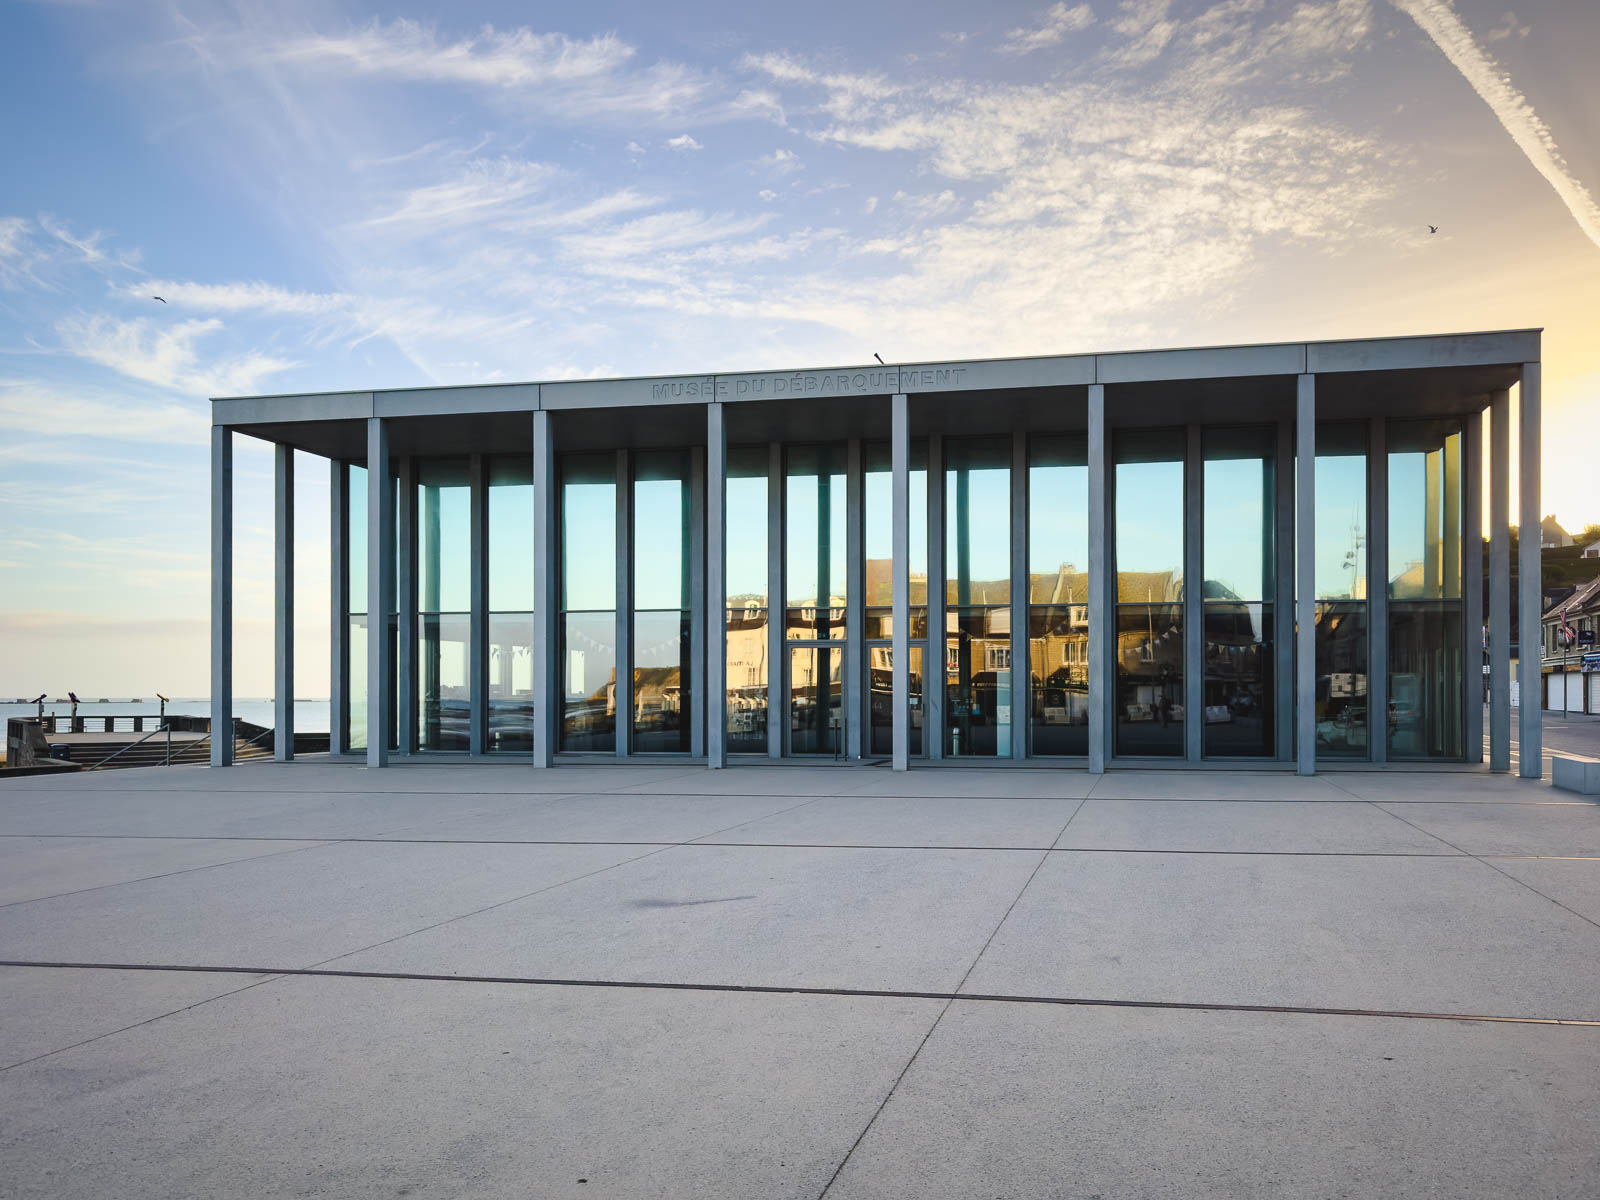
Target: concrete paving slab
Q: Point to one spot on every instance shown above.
(992, 783)
(1419, 787)
(911, 821)
(910, 920)
(1276, 826)
(49, 1009)
(1511, 828)
(1573, 883)
(359, 1088)
(607, 817)
(34, 867)
(751, 780)
(286, 813)
(1446, 934)
(1215, 785)
(1019, 1100)
(403, 776)
(293, 910)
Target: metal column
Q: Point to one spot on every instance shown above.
(1194, 638)
(715, 612)
(1530, 589)
(1283, 577)
(545, 641)
(777, 613)
(900, 559)
(283, 603)
(933, 668)
(701, 610)
(406, 605)
(478, 617)
(1472, 581)
(380, 592)
(1378, 589)
(623, 691)
(221, 596)
(1500, 581)
(339, 606)
(1021, 680)
(855, 603)
(1102, 610)
(1305, 642)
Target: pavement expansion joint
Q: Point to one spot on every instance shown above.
(781, 990)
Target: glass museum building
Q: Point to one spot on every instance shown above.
(1267, 555)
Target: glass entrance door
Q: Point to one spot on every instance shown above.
(879, 690)
(816, 699)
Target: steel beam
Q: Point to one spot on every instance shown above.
(546, 683)
(1102, 587)
(1472, 582)
(933, 670)
(283, 603)
(221, 596)
(1500, 581)
(714, 613)
(1283, 590)
(855, 603)
(1305, 438)
(900, 597)
(701, 610)
(1194, 611)
(338, 606)
(1378, 590)
(478, 616)
(624, 614)
(1021, 681)
(1530, 582)
(777, 613)
(380, 592)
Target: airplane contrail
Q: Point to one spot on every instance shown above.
(1438, 19)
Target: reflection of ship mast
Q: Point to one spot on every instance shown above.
(1352, 556)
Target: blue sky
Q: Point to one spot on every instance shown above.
(332, 195)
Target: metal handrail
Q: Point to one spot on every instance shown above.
(165, 728)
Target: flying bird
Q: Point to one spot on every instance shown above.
(879, 357)
(1433, 229)
(157, 298)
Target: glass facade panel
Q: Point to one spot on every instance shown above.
(511, 558)
(661, 530)
(356, 549)
(1341, 512)
(977, 517)
(356, 738)
(880, 699)
(589, 532)
(356, 538)
(1149, 517)
(1058, 593)
(1238, 692)
(589, 597)
(1427, 681)
(747, 526)
(444, 535)
(511, 695)
(1058, 663)
(816, 699)
(977, 665)
(1239, 507)
(1239, 709)
(878, 524)
(443, 699)
(661, 682)
(814, 541)
(1427, 675)
(589, 681)
(880, 624)
(1424, 510)
(1341, 679)
(1149, 711)
(747, 680)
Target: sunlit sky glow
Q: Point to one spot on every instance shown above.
(332, 195)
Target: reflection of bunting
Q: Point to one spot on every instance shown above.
(583, 639)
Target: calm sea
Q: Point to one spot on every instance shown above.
(310, 716)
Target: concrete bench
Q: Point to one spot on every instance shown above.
(1576, 773)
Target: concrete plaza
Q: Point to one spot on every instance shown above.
(797, 981)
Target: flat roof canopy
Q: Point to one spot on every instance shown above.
(1430, 376)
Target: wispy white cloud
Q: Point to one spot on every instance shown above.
(1060, 20)
(683, 142)
(166, 354)
(1440, 22)
(28, 406)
